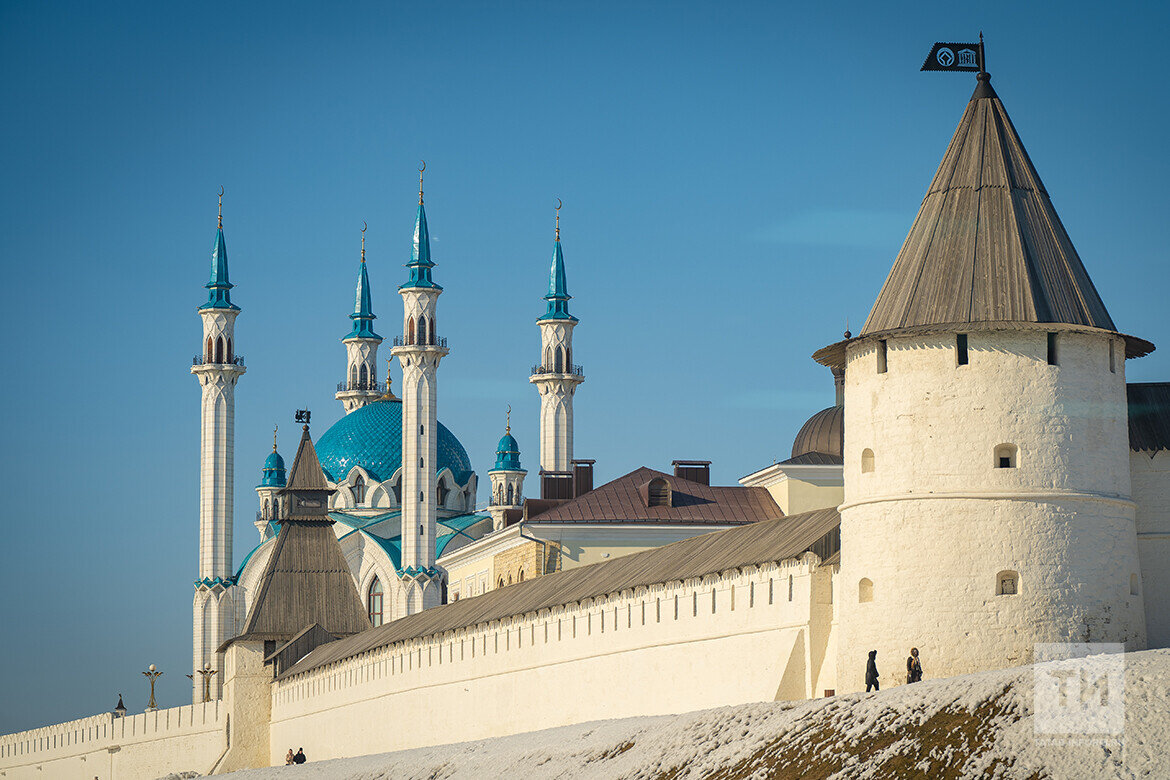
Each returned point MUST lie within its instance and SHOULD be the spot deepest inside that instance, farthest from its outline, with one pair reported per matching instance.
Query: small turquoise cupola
(420, 264)
(219, 295)
(273, 471)
(507, 453)
(363, 313)
(558, 292)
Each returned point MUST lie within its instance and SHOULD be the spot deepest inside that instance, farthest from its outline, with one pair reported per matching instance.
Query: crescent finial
(363, 241)
(422, 167)
(221, 206)
(558, 208)
(508, 420)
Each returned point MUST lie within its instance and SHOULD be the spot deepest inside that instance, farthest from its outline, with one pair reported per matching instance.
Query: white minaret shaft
(556, 377)
(218, 369)
(419, 351)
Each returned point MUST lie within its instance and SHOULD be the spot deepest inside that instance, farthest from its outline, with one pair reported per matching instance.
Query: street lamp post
(152, 674)
(207, 673)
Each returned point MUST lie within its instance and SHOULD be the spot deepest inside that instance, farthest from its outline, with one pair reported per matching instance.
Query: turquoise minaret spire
(558, 292)
(219, 295)
(363, 313)
(420, 264)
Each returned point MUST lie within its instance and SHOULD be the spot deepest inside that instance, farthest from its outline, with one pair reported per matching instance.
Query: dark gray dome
(824, 433)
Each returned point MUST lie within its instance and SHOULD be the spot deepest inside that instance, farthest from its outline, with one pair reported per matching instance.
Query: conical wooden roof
(987, 245)
(306, 580)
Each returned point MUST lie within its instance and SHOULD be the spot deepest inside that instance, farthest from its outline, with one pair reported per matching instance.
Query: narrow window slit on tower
(1052, 355)
(1112, 356)
(882, 365)
(961, 348)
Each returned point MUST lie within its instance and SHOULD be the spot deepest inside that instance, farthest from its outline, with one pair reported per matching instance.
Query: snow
(980, 725)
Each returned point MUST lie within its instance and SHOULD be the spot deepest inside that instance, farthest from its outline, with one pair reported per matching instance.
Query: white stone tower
(360, 386)
(987, 496)
(555, 377)
(217, 369)
(507, 478)
(419, 351)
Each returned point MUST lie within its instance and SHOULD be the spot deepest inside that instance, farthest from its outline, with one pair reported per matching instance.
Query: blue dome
(507, 454)
(273, 472)
(371, 437)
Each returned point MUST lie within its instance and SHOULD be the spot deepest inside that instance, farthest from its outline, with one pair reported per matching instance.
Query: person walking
(913, 667)
(290, 758)
(871, 673)
(299, 758)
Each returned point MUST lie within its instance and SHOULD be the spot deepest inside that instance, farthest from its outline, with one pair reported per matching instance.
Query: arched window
(397, 488)
(658, 492)
(790, 587)
(510, 502)
(1005, 456)
(509, 578)
(410, 330)
(229, 350)
(865, 590)
(866, 461)
(560, 358)
(1133, 584)
(359, 491)
(267, 510)
(441, 493)
(548, 361)
(364, 377)
(210, 352)
(374, 600)
(500, 584)
(353, 377)
(520, 577)
(569, 359)
(1007, 583)
(422, 331)
(219, 350)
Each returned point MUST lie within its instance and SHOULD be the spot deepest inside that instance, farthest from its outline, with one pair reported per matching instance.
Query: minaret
(272, 482)
(507, 478)
(556, 378)
(217, 368)
(361, 348)
(419, 351)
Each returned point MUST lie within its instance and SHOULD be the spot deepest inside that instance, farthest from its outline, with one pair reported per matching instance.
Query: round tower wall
(936, 535)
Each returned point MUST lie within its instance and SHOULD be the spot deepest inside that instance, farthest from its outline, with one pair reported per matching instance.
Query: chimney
(582, 477)
(556, 484)
(693, 470)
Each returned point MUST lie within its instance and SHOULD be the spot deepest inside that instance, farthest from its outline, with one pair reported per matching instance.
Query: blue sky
(737, 179)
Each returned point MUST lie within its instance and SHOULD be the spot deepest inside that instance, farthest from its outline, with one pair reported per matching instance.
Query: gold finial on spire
(221, 207)
(389, 394)
(508, 420)
(275, 428)
(421, 168)
(558, 208)
(363, 242)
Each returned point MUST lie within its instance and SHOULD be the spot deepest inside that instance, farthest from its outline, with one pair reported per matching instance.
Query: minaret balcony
(201, 360)
(362, 387)
(578, 371)
(402, 341)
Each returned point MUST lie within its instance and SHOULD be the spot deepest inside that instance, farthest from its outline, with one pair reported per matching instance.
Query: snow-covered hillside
(981, 725)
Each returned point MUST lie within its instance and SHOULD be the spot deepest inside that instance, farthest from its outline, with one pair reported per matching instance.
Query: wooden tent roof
(987, 245)
(1149, 416)
(306, 580)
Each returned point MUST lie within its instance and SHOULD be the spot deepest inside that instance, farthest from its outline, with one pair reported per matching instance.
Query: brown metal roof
(1149, 416)
(753, 544)
(987, 244)
(623, 501)
(306, 580)
(824, 433)
(814, 459)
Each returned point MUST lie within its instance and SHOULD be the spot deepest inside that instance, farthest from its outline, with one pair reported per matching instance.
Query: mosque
(985, 483)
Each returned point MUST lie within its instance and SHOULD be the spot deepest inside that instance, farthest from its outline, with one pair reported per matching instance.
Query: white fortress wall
(721, 639)
(137, 747)
(1151, 493)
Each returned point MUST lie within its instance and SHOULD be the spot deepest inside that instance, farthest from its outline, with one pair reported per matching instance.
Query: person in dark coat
(299, 758)
(871, 673)
(913, 667)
